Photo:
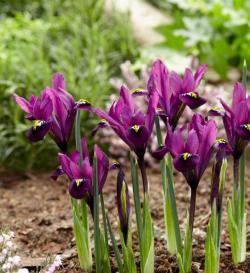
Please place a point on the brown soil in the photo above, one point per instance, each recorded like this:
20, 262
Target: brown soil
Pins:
38, 210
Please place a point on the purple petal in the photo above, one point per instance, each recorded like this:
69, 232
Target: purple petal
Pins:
175, 83
200, 73
192, 99
239, 95
103, 166
126, 95
39, 130
85, 151
138, 136
58, 172
75, 156
188, 84
174, 142
79, 188
160, 152
23, 103
58, 81
69, 167
152, 104
215, 112
186, 162
192, 143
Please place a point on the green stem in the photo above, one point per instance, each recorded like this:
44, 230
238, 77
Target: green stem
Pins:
104, 221
173, 206
192, 209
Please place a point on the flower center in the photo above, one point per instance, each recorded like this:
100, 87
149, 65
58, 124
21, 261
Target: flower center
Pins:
186, 155
221, 141
83, 102
78, 182
38, 123
136, 128
246, 126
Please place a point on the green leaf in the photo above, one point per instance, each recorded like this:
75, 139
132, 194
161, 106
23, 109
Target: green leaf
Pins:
187, 248
82, 244
127, 251
115, 247
233, 232
104, 259
148, 238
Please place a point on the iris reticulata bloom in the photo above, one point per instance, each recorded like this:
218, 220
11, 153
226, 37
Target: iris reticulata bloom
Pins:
175, 92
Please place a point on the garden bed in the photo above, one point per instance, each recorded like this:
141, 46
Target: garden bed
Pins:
38, 210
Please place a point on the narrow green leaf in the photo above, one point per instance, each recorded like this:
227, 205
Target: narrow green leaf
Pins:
233, 233
180, 263
135, 184
104, 222
174, 209
115, 247
83, 249
187, 249
105, 263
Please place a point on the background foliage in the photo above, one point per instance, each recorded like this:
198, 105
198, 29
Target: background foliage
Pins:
217, 32
40, 37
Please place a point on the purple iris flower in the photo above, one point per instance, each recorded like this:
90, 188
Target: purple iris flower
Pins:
129, 122
175, 92
39, 110
236, 120
81, 176
53, 112
191, 154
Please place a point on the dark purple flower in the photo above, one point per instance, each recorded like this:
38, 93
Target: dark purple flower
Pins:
39, 110
175, 92
130, 123
53, 113
81, 176
236, 120
191, 154
123, 204
63, 112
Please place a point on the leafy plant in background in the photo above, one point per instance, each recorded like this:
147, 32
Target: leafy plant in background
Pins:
209, 30
40, 37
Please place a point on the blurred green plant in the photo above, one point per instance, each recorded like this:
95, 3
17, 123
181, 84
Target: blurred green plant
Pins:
217, 32
38, 38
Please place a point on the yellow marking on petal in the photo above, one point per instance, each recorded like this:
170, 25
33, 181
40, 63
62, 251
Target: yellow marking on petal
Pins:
192, 95
136, 128
247, 126
217, 108
38, 123
221, 140
136, 90
78, 182
186, 155
83, 101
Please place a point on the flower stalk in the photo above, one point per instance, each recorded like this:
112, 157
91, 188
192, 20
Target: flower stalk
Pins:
236, 206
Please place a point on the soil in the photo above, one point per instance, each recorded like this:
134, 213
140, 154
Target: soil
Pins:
38, 210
